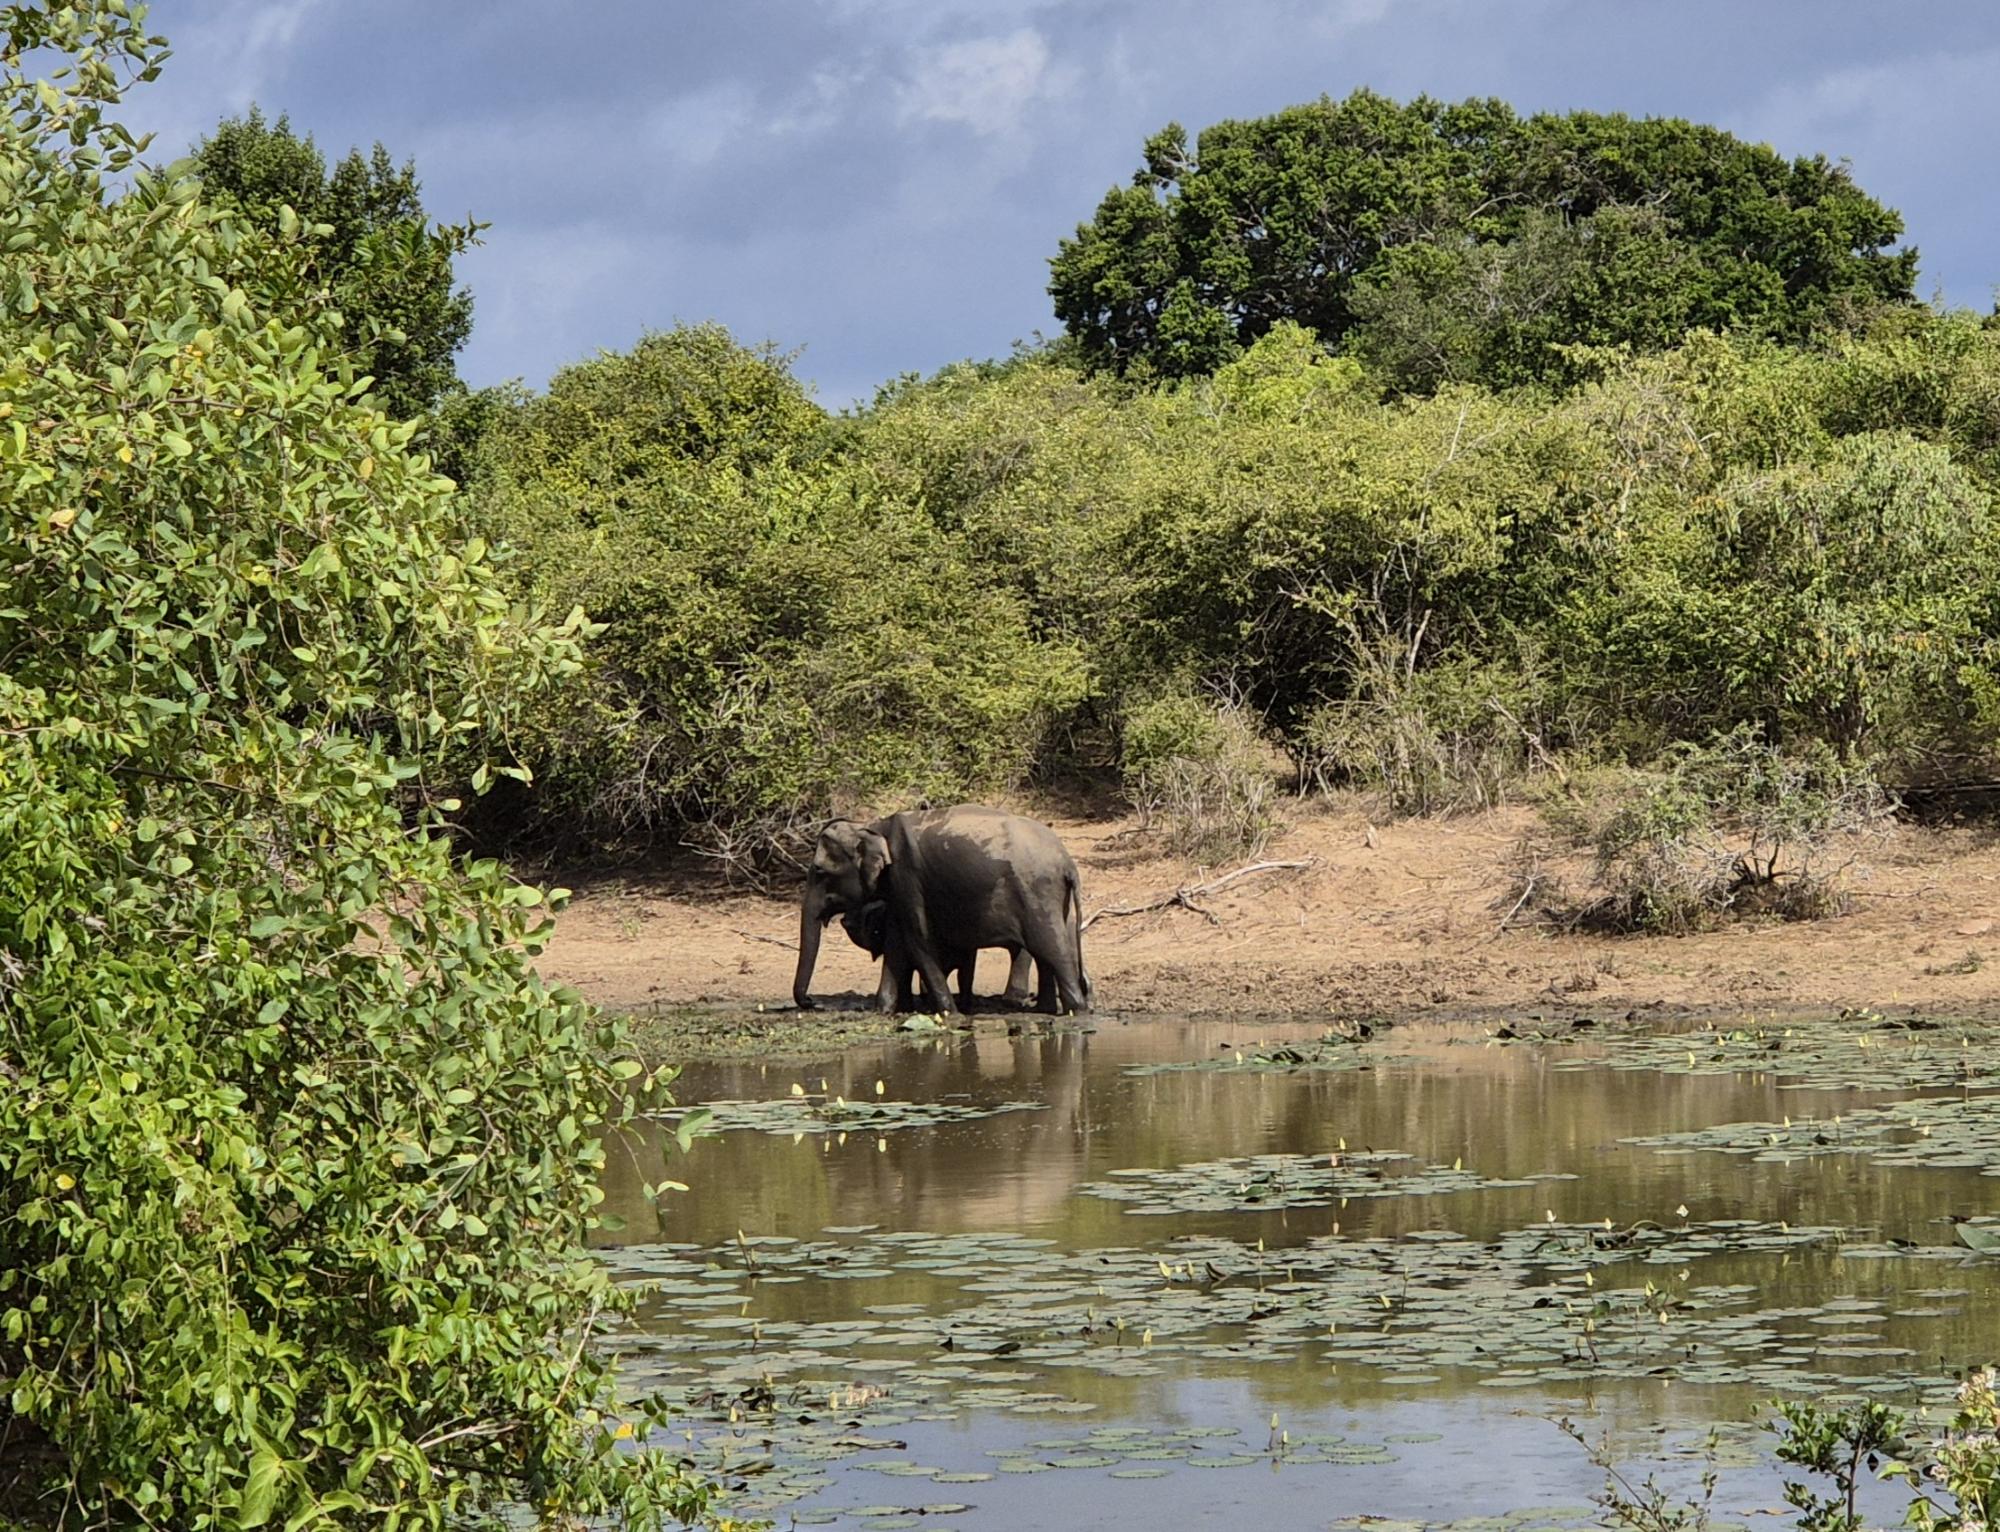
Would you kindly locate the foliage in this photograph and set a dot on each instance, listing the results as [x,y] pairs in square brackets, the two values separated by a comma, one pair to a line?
[1507,311]
[366,237]
[1449,737]
[1433,595]
[297,1154]
[1831,596]
[1838,1444]
[777,635]
[1734,827]
[1647,1506]
[1199,767]
[1462,239]
[1962,1463]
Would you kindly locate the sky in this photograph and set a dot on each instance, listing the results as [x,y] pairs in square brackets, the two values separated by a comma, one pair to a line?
[878,184]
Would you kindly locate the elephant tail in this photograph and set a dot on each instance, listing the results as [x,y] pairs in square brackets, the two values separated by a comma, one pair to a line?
[1073,914]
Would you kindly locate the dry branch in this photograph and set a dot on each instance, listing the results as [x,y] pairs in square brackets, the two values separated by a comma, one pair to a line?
[1184,897]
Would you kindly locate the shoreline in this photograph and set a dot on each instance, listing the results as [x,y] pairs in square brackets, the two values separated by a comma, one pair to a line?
[1393,921]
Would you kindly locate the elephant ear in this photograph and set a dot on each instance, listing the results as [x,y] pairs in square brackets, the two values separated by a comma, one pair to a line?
[874,858]
[837,842]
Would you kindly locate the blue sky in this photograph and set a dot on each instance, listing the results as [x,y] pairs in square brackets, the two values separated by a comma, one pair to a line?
[880,183]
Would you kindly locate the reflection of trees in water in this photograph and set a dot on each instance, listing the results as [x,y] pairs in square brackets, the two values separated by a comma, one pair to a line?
[1503,1110]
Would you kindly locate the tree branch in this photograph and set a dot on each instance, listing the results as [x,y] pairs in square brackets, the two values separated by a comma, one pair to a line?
[1185,896]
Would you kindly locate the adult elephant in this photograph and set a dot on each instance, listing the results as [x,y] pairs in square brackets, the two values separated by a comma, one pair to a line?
[950,882]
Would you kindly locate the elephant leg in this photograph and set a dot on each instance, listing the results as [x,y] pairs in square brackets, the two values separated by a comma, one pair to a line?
[909,947]
[1045,990]
[1062,979]
[894,989]
[936,986]
[967,962]
[1019,991]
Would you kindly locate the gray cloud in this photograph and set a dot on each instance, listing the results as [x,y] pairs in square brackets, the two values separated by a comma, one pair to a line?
[881,182]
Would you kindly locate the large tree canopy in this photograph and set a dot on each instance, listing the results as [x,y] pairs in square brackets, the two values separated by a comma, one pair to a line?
[387,270]
[1459,240]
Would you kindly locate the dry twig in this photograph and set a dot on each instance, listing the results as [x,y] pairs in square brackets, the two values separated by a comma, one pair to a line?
[1184,897]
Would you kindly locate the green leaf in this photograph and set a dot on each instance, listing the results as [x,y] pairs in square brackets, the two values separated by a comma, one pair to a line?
[1983,1238]
[260,1488]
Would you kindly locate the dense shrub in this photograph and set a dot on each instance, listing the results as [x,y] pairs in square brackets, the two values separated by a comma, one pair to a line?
[1430,596]
[775,634]
[1199,769]
[1734,827]
[297,1154]
[1452,736]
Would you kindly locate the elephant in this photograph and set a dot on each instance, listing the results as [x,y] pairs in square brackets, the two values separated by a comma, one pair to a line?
[868,930]
[949,881]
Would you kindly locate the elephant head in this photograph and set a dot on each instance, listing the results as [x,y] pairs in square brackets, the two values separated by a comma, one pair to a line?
[868,927]
[848,865]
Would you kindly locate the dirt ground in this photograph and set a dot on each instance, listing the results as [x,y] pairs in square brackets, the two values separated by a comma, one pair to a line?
[1399,919]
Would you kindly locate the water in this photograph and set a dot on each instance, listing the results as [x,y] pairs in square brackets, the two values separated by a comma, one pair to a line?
[976,1313]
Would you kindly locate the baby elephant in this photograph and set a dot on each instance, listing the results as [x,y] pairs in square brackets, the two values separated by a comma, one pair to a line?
[869,931]
[949,882]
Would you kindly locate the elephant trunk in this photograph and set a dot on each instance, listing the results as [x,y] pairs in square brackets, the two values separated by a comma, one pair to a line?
[811,919]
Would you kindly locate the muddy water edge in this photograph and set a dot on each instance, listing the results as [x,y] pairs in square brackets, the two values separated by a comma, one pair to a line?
[1203,1270]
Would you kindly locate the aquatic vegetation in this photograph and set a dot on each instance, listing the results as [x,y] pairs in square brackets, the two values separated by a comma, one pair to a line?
[1954,1133]
[1009,1316]
[1336,1050]
[821,1364]
[1256,1183]
[1859,1051]
[824,1114]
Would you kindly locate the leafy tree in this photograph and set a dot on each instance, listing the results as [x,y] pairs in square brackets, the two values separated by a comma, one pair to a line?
[1347,215]
[1498,312]
[389,273]
[297,1153]
[779,632]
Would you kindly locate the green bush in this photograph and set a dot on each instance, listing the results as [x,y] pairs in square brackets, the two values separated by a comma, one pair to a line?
[775,636]
[1446,738]
[1716,535]
[1734,828]
[1953,1474]
[297,1154]
[1200,770]
[1834,598]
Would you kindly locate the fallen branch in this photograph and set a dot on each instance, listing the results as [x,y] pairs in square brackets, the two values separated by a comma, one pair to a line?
[1504,919]
[1185,896]
[752,936]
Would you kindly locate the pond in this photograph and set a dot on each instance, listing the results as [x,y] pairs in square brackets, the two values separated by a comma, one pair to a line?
[1202,1270]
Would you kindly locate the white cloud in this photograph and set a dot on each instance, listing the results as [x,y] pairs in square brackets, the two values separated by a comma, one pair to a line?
[819,106]
[270,35]
[697,129]
[987,83]
[1349,15]
[235,53]
[1905,103]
